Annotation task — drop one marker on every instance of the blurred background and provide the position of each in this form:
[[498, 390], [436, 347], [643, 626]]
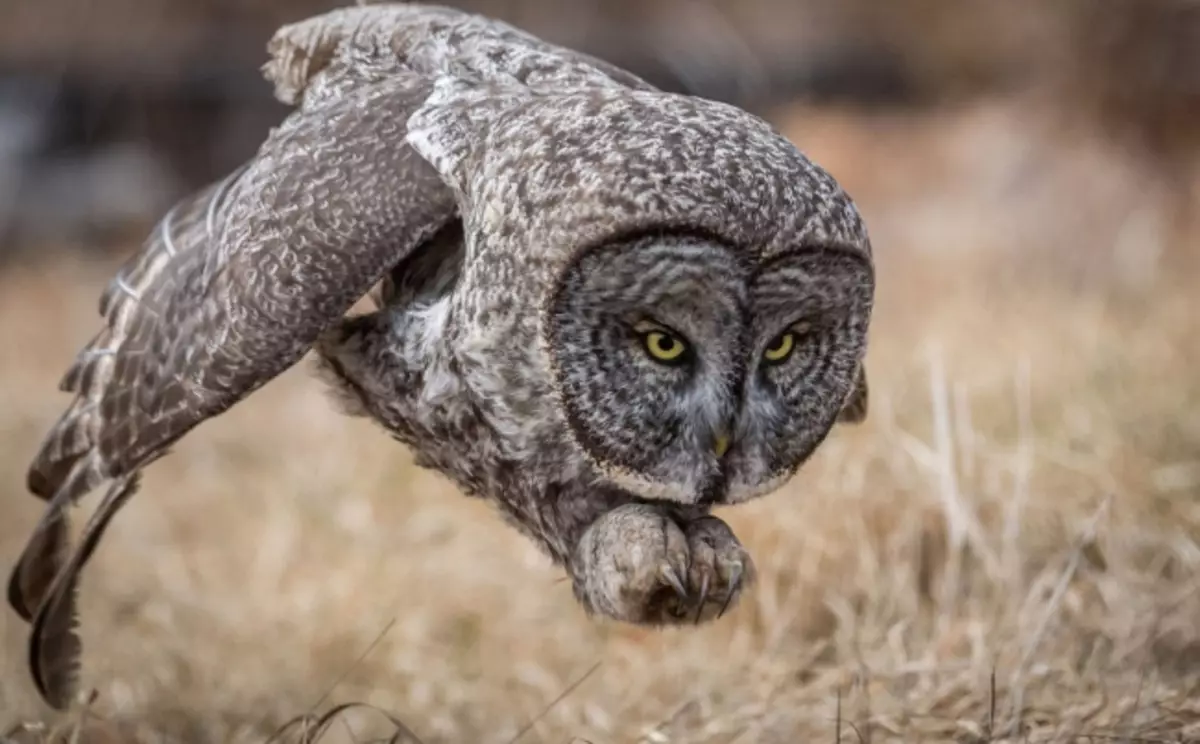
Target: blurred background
[[110, 109], [1009, 545]]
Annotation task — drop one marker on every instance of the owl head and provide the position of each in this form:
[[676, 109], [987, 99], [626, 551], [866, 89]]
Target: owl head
[[690, 374], [702, 290]]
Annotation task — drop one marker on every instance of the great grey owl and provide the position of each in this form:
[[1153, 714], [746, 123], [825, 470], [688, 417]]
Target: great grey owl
[[602, 307]]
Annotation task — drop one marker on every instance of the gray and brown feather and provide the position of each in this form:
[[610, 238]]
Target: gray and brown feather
[[602, 307]]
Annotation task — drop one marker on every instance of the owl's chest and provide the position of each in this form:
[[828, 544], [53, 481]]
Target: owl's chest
[[488, 413]]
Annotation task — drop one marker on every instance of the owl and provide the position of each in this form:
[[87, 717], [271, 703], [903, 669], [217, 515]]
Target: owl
[[601, 307]]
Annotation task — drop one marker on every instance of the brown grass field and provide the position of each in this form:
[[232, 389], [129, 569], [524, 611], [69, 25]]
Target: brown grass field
[[1007, 550]]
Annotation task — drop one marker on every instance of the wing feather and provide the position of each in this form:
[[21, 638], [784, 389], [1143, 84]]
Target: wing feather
[[230, 289], [107, 356], [238, 280], [319, 58]]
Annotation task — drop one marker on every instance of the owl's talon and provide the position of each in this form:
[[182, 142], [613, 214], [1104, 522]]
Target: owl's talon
[[672, 578], [627, 566], [735, 585], [702, 600]]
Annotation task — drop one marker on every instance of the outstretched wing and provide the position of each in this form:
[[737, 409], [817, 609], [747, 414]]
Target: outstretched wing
[[229, 291], [238, 280]]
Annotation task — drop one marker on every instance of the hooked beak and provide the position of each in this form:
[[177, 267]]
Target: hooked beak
[[721, 445]]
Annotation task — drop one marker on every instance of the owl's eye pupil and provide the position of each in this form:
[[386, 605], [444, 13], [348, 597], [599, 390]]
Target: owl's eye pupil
[[664, 347], [780, 349]]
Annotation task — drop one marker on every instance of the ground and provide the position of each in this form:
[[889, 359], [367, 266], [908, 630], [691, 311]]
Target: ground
[[1007, 550]]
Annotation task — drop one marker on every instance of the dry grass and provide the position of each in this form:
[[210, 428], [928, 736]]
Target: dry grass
[[1009, 549]]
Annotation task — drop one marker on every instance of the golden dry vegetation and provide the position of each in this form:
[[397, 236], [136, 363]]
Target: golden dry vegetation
[[1008, 549]]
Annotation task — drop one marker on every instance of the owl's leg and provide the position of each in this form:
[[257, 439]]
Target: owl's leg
[[649, 564]]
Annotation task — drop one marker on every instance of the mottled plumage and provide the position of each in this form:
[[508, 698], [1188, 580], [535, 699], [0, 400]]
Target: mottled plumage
[[602, 307]]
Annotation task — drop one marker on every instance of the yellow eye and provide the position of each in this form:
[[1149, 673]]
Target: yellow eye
[[664, 347], [780, 348]]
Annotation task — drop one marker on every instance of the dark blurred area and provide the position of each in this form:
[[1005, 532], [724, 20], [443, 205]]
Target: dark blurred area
[[111, 109]]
